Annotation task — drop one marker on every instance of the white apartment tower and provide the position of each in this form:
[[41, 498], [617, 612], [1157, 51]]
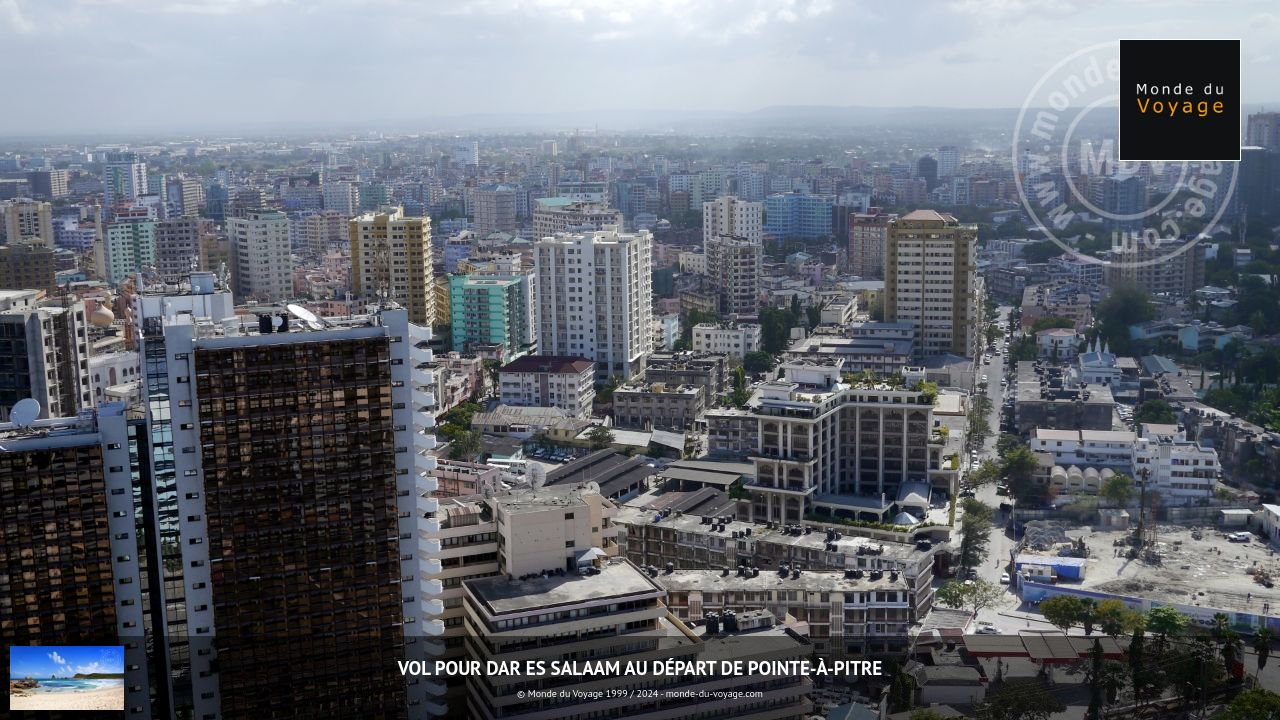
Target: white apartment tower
[[727, 215], [595, 294], [262, 266], [343, 197]]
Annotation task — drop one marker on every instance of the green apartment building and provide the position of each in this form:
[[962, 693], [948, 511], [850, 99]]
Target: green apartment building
[[490, 315]]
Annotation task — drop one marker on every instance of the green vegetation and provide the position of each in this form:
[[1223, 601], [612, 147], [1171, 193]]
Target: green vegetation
[[973, 595], [1050, 322], [1127, 304], [757, 362], [1118, 489], [457, 421], [1256, 704], [464, 445], [600, 437], [739, 396], [975, 532], [1020, 699], [604, 393], [776, 324], [1154, 411], [979, 423], [691, 318]]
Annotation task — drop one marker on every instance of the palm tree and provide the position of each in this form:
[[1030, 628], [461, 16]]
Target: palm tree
[[1232, 649], [1262, 645]]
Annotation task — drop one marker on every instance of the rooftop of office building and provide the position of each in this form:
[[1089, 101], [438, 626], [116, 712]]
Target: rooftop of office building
[[764, 579], [614, 580]]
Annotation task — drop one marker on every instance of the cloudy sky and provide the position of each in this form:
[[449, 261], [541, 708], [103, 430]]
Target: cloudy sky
[[147, 65]]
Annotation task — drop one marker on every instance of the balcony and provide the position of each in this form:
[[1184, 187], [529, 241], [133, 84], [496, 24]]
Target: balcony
[[433, 688], [433, 628], [431, 566], [424, 440], [423, 376], [436, 709], [428, 483], [431, 526], [434, 606], [424, 420], [421, 355], [433, 648], [426, 463], [424, 398], [427, 504], [430, 546], [431, 587], [419, 333]]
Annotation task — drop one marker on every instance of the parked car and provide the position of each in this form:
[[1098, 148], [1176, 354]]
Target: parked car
[[1004, 578]]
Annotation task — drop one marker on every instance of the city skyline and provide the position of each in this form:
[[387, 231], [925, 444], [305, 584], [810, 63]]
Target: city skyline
[[762, 55]]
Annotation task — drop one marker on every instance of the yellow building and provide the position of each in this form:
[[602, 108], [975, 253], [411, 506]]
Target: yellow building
[[391, 258], [931, 280]]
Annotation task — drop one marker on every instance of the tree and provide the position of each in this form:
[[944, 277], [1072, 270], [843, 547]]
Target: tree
[[1115, 618], [1137, 659], [1063, 611], [974, 594], [1166, 622], [1118, 489], [1018, 468], [1006, 443], [739, 396], [600, 437], [1154, 411], [1127, 304], [1050, 322], [757, 362], [1020, 699], [1256, 704], [465, 445], [1097, 694], [975, 532], [605, 393], [987, 472], [1262, 646], [876, 309]]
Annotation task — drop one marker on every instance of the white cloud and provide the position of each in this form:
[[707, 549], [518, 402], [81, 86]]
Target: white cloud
[[12, 17], [94, 667], [54, 656]]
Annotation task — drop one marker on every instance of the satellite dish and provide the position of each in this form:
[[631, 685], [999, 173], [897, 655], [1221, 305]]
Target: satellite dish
[[277, 321], [591, 488], [25, 412], [307, 317]]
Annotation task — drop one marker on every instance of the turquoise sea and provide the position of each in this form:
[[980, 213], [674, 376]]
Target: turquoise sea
[[71, 685]]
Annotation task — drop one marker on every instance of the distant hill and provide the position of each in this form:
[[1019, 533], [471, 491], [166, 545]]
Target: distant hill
[[99, 676]]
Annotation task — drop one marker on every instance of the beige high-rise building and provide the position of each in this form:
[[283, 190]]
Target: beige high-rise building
[[28, 221], [730, 216], [1264, 130], [24, 266], [867, 234], [261, 262], [177, 247], [734, 265], [494, 209], [595, 299], [557, 215], [931, 280], [391, 257], [1160, 268], [322, 230]]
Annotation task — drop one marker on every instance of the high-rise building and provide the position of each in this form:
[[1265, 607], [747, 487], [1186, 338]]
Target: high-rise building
[[71, 548], [342, 197], [44, 355], [184, 196], [931, 281], [557, 215], [379, 241], [28, 267], [868, 233], [1160, 267], [489, 315], [727, 215], [927, 168], [494, 209], [797, 214], [466, 152], [177, 247], [124, 178], [1258, 183], [734, 266], [49, 184], [595, 299], [127, 248], [1122, 200], [1264, 131], [262, 267], [320, 231], [291, 480], [27, 221], [948, 161]]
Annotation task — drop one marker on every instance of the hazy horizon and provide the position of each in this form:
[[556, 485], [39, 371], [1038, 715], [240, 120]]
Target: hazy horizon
[[106, 67]]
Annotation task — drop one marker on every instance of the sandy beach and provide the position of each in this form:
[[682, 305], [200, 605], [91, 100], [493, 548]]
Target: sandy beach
[[109, 698]]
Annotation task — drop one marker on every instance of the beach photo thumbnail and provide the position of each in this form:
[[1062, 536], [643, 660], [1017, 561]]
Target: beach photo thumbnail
[[66, 677]]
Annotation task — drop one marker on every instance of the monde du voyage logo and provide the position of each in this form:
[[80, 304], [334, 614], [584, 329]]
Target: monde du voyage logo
[[1180, 100]]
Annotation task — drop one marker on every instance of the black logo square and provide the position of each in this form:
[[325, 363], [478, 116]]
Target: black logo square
[[1180, 100]]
